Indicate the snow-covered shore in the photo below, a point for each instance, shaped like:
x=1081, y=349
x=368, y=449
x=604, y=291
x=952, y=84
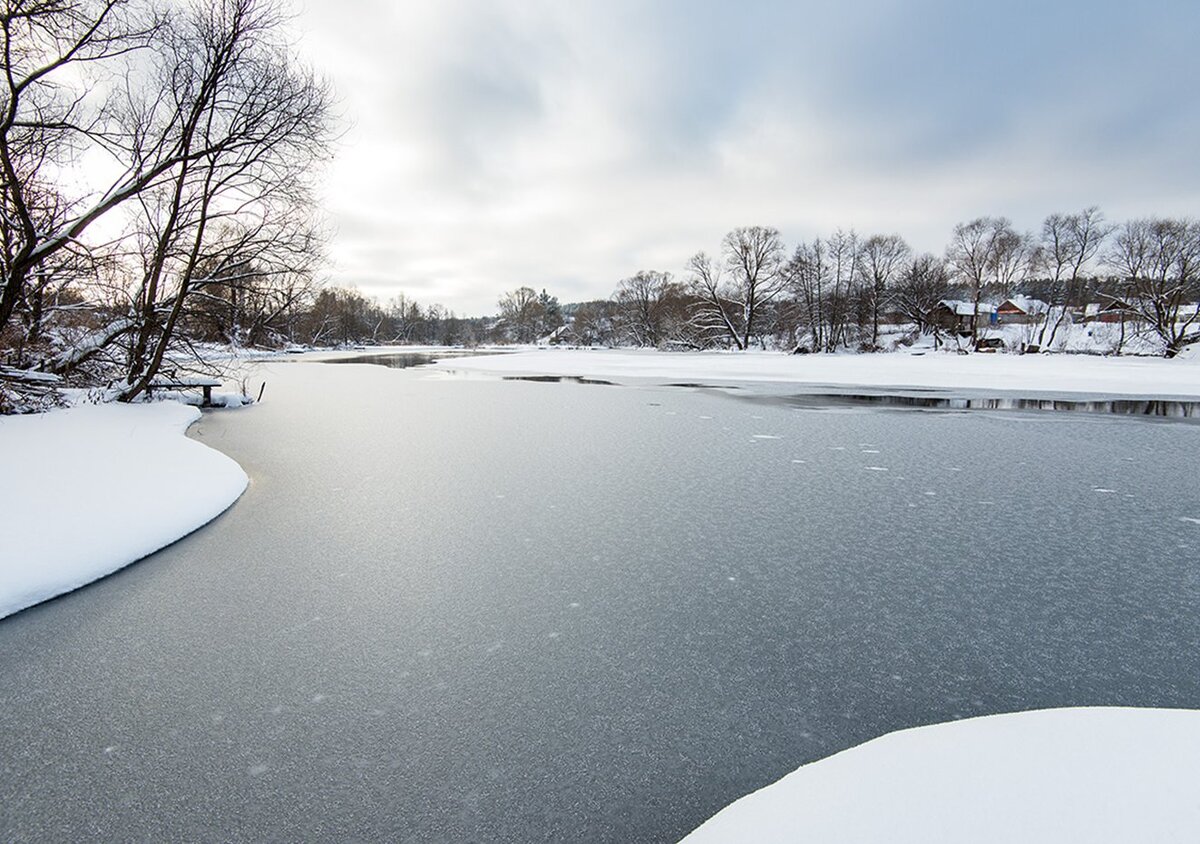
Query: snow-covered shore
x=90, y=489
x=1075, y=374
x=1078, y=774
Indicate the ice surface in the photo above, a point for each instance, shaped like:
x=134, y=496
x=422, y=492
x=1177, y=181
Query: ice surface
x=89, y=490
x=671, y=691
x=1076, y=774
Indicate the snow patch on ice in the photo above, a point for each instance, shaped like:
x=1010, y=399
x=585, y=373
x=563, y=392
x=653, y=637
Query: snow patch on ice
x=1078, y=774
x=124, y=478
x=1092, y=374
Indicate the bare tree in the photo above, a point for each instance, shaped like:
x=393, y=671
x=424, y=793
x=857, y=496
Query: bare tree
x=1159, y=262
x=807, y=272
x=522, y=313
x=754, y=260
x=214, y=132
x=406, y=317
x=593, y=323
x=1070, y=242
x=47, y=119
x=714, y=311
x=1017, y=258
x=248, y=124
x=921, y=283
x=643, y=306
x=843, y=261
x=881, y=259
x=976, y=256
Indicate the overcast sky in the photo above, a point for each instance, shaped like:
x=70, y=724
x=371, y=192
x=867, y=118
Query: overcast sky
x=567, y=144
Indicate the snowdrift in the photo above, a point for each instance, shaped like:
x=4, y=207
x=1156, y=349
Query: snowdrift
x=89, y=490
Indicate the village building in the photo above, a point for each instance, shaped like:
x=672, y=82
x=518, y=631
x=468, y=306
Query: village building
x=960, y=316
x=1110, y=309
x=1021, y=310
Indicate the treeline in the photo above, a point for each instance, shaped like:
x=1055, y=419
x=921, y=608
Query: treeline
x=155, y=185
x=834, y=293
x=829, y=294
x=345, y=317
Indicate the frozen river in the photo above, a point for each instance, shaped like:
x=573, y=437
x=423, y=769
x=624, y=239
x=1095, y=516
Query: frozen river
x=469, y=609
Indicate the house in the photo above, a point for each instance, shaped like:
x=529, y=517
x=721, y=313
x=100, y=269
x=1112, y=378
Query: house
x=1021, y=310
x=961, y=317
x=1111, y=309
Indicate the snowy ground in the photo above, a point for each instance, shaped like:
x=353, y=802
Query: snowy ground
x=1087, y=374
x=1081, y=774
x=91, y=489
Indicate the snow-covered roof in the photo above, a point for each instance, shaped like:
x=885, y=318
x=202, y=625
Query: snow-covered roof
x=963, y=308
x=556, y=334
x=1025, y=304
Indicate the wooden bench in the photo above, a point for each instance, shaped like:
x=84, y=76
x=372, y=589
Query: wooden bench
x=204, y=384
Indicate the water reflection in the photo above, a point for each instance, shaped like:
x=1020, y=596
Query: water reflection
x=405, y=360
x=1126, y=407
x=558, y=379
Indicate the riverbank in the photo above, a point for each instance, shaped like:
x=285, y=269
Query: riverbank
x=91, y=489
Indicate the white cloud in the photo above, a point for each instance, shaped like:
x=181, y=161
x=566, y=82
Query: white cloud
x=494, y=144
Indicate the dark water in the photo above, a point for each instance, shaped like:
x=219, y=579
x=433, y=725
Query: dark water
x=558, y=379
x=928, y=399
x=508, y=611
x=1123, y=407
x=405, y=360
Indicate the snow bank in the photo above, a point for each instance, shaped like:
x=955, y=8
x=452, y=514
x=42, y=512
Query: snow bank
x=89, y=490
x=1096, y=775
x=1019, y=373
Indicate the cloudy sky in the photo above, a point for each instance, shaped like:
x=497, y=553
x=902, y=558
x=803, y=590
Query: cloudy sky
x=566, y=144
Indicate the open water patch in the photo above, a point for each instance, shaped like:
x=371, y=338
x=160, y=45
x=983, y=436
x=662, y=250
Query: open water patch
x=558, y=379
x=1156, y=408
x=405, y=360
